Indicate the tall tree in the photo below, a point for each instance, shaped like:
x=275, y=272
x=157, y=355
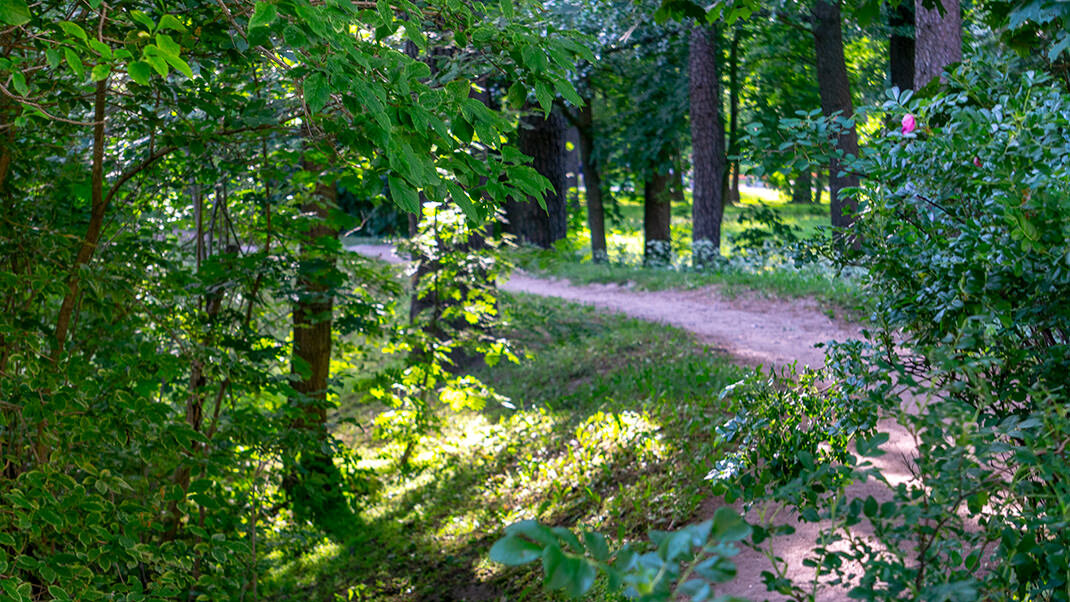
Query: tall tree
x=938, y=41
x=592, y=181
x=657, y=217
x=707, y=146
x=835, y=91
x=901, y=45
x=543, y=139
x=733, y=115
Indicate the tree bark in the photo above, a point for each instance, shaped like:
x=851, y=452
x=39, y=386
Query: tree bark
x=818, y=187
x=657, y=219
x=835, y=92
x=707, y=144
x=733, y=116
x=938, y=40
x=901, y=46
x=800, y=189
x=542, y=139
x=592, y=183
x=313, y=482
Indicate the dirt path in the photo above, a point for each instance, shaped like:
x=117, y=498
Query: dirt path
x=752, y=331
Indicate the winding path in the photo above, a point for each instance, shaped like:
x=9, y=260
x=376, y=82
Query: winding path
x=751, y=331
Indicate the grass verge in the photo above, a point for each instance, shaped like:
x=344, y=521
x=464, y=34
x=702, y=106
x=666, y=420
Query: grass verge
x=612, y=428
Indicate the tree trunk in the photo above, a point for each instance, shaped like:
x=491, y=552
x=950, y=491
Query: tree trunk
x=835, y=92
x=733, y=112
x=544, y=141
x=313, y=482
x=938, y=41
x=657, y=220
x=592, y=183
x=572, y=167
x=901, y=46
x=800, y=189
x=707, y=144
x=818, y=188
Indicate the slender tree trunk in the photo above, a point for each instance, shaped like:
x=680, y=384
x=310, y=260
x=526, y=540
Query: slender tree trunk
x=592, y=183
x=733, y=112
x=835, y=92
x=938, y=40
x=818, y=188
x=707, y=145
x=542, y=139
x=901, y=46
x=657, y=219
x=800, y=189
x=98, y=207
x=313, y=481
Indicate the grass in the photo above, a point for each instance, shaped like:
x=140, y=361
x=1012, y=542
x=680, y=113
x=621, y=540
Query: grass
x=612, y=428
x=764, y=275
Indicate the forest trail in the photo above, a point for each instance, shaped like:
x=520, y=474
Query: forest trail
x=751, y=331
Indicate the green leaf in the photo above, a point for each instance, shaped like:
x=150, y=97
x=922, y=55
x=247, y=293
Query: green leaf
x=74, y=62
x=172, y=22
x=263, y=15
x=167, y=45
x=728, y=525
x=53, y=57
x=515, y=551
x=140, y=72
x=507, y=10
x=18, y=81
x=180, y=65
x=385, y=13
x=316, y=92
x=14, y=12
x=100, y=72
x=517, y=94
x=403, y=195
x=74, y=30
x=101, y=48
x=142, y=19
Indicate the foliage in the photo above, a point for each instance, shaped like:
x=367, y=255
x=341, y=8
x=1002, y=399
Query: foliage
x=167, y=193
x=688, y=562
x=964, y=236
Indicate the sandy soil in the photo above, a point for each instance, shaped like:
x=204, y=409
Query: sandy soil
x=752, y=331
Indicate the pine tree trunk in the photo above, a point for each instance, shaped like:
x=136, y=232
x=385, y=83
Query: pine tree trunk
x=901, y=46
x=592, y=183
x=707, y=144
x=657, y=220
x=542, y=139
x=938, y=40
x=835, y=92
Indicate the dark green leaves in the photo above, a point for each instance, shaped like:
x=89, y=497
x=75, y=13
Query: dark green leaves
x=14, y=12
x=317, y=92
x=403, y=194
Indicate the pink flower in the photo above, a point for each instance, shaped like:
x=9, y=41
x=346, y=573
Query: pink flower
x=909, y=124
x=977, y=161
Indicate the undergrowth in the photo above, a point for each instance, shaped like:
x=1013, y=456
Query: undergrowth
x=606, y=422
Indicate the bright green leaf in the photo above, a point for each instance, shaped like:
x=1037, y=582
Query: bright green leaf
x=100, y=72
x=140, y=72
x=514, y=551
x=74, y=30
x=14, y=12
x=18, y=81
x=263, y=15
x=172, y=22
x=74, y=62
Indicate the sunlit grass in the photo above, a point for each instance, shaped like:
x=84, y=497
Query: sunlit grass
x=764, y=275
x=614, y=419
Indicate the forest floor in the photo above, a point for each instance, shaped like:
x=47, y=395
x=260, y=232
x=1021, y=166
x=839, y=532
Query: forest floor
x=749, y=330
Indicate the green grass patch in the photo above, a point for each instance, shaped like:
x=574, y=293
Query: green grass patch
x=768, y=274
x=612, y=428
